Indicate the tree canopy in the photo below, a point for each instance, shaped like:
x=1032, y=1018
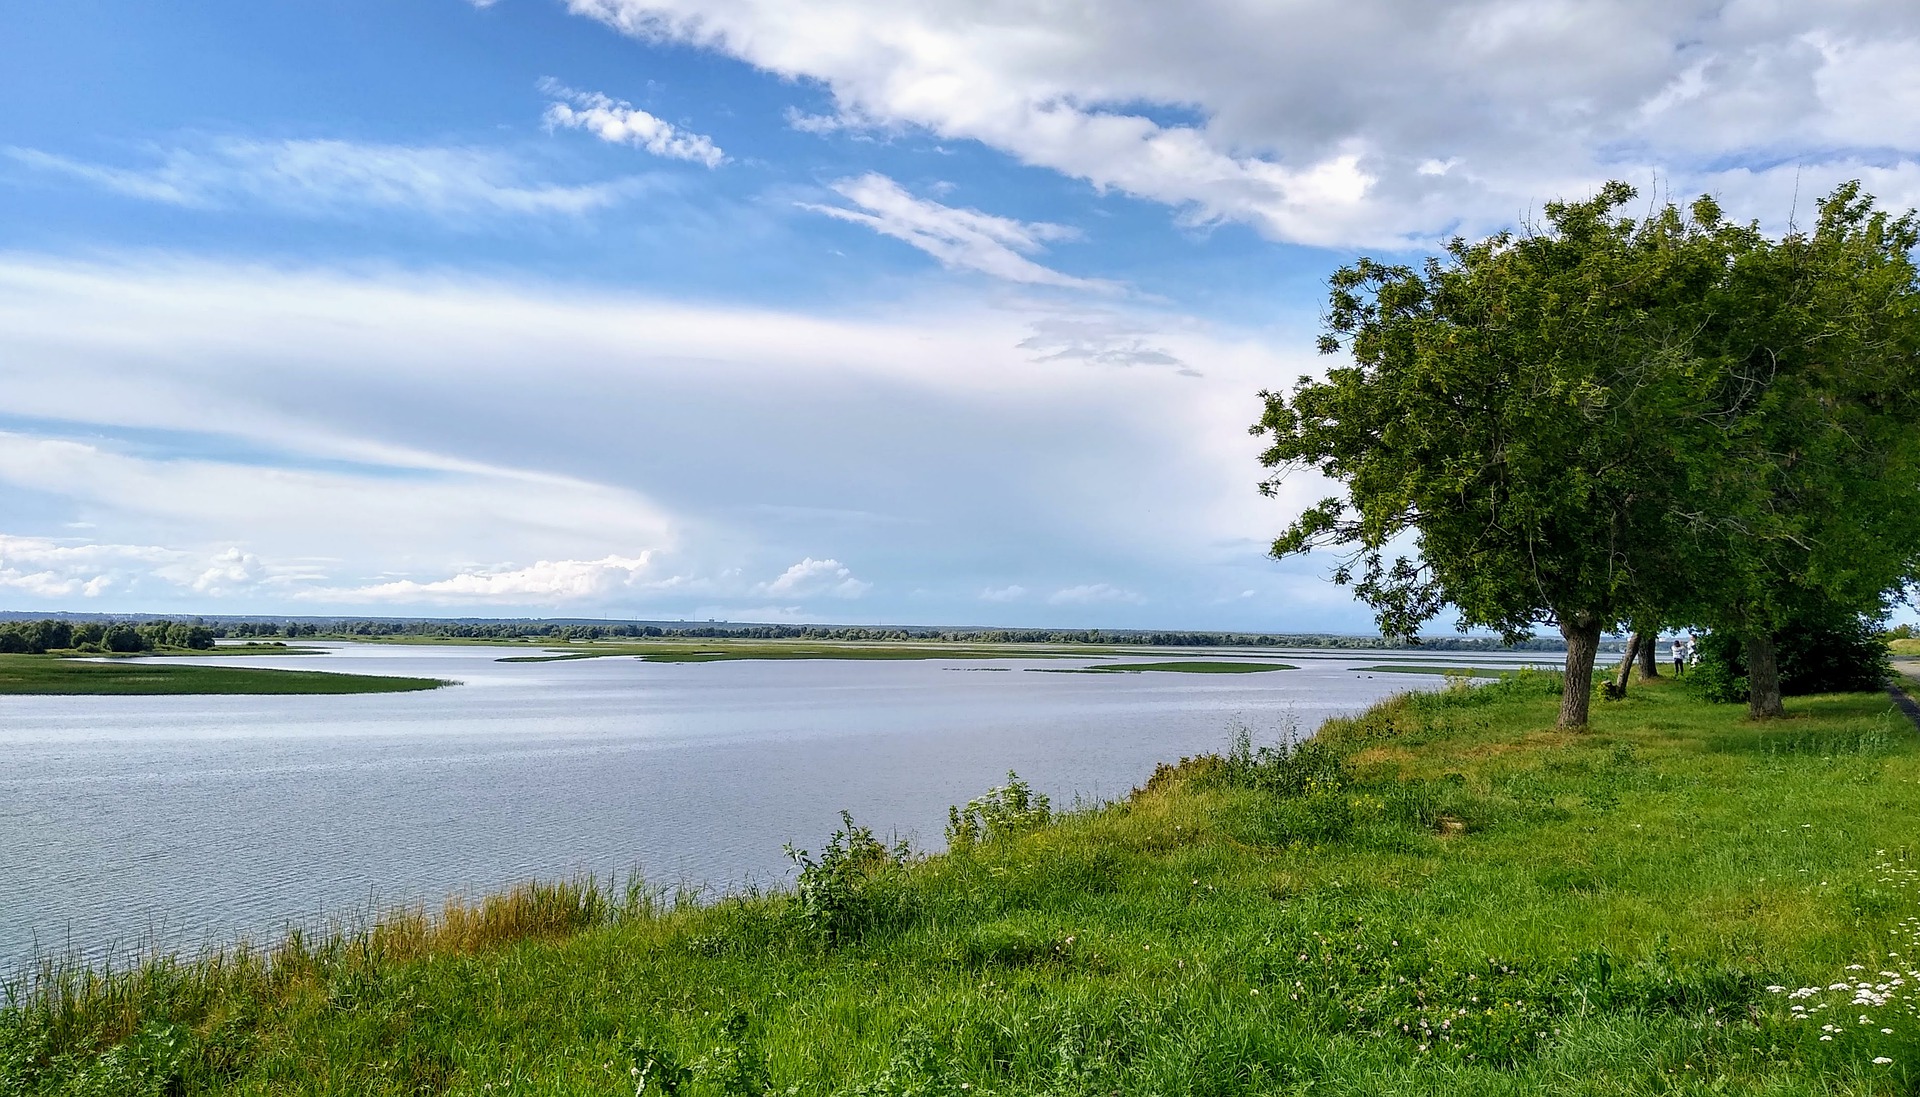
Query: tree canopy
x=1608, y=419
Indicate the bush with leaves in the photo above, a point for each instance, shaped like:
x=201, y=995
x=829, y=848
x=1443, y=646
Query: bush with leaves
x=853, y=887
x=1817, y=653
x=1004, y=811
x=1288, y=769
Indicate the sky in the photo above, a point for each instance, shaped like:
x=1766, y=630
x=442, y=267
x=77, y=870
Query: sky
x=852, y=311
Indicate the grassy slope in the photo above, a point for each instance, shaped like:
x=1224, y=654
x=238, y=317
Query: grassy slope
x=45, y=674
x=1589, y=914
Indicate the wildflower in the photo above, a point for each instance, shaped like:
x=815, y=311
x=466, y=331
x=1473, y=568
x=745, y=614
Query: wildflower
x=1881, y=1060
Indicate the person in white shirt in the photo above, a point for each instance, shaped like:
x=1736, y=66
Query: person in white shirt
x=1682, y=654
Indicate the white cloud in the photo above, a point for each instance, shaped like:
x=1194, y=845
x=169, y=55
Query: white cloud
x=45, y=568
x=327, y=177
x=1100, y=339
x=961, y=239
x=351, y=431
x=1092, y=594
x=229, y=572
x=544, y=582
x=1328, y=122
x=814, y=577
x=618, y=122
x=1004, y=594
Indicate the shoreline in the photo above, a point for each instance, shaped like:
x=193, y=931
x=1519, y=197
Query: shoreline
x=1403, y=848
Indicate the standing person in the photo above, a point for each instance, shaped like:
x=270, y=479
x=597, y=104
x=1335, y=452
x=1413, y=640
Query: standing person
x=1682, y=651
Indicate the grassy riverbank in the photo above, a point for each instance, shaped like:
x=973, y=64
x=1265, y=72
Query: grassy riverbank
x=1445, y=896
x=51, y=675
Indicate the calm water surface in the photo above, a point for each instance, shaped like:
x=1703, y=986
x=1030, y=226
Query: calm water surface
x=181, y=821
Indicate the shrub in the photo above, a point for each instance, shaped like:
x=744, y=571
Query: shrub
x=853, y=887
x=1285, y=769
x=1816, y=654
x=1004, y=811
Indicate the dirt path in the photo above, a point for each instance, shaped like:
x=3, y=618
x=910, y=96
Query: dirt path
x=1906, y=672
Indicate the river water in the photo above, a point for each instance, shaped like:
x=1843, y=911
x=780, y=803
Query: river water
x=178, y=822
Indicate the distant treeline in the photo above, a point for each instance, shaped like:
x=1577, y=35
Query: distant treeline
x=148, y=634
x=120, y=637
x=556, y=631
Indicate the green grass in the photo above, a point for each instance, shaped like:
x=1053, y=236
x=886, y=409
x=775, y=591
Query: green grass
x=1904, y=647
x=1187, y=667
x=1449, y=897
x=46, y=674
x=1435, y=668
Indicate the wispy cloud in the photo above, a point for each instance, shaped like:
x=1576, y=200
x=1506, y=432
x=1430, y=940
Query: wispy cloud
x=1092, y=594
x=961, y=239
x=1004, y=594
x=1100, y=339
x=404, y=435
x=329, y=177
x=619, y=122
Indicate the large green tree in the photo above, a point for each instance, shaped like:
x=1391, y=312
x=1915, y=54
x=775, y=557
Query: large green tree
x=1611, y=420
x=1814, y=509
x=1515, y=429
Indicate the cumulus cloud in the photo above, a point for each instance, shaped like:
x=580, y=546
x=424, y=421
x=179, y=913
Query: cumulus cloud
x=547, y=581
x=961, y=239
x=1326, y=122
x=1092, y=594
x=816, y=577
x=329, y=177
x=618, y=122
x=229, y=572
x=46, y=568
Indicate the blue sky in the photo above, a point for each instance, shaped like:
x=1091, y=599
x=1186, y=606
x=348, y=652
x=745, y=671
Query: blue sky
x=848, y=311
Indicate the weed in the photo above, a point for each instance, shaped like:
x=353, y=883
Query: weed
x=853, y=888
x=1002, y=812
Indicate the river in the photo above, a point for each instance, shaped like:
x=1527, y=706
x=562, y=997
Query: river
x=177, y=822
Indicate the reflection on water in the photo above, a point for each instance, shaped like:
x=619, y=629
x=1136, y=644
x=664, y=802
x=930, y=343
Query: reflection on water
x=189, y=820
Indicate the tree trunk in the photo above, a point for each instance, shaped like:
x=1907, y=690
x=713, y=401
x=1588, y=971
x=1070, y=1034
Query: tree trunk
x=1582, y=632
x=1649, y=665
x=1626, y=667
x=1763, y=678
